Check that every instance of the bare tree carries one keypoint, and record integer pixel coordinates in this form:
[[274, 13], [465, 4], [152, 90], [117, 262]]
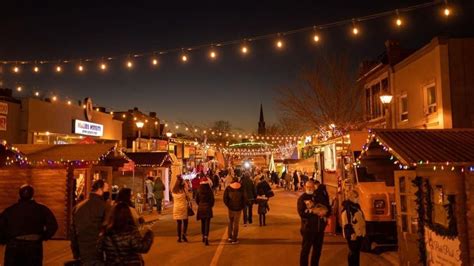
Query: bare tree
[[324, 94]]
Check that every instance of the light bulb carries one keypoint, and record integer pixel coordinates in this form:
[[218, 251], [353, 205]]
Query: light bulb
[[447, 11], [111, 112], [316, 38], [103, 66], [36, 69], [37, 93], [19, 88], [58, 69], [244, 49], [55, 98], [154, 61], [80, 68], [399, 22], [69, 102], [129, 64], [184, 58], [212, 54], [355, 30], [124, 115], [16, 69], [279, 44]]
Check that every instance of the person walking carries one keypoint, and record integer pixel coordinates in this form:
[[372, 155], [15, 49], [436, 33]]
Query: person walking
[[87, 220], [295, 180], [150, 197], [353, 224], [180, 208], [313, 208], [23, 228], [121, 242], [195, 184], [158, 191], [205, 202], [234, 199], [250, 194], [263, 207]]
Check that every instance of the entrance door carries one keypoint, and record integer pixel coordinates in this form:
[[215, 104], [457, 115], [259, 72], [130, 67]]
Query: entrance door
[[407, 218]]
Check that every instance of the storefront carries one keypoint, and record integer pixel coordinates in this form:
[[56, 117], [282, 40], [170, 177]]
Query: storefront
[[54, 122], [434, 193]]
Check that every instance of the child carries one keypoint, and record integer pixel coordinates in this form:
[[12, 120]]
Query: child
[[263, 207]]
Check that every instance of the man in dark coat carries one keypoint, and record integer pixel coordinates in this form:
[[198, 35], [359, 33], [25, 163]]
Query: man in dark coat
[[158, 191], [87, 220], [313, 208], [234, 199], [251, 194], [24, 226]]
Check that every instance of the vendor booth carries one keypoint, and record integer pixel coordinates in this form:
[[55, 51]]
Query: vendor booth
[[434, 193], [62, 175]]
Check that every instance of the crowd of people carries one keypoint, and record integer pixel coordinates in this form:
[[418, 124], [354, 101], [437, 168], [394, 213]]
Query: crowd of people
[[106, 227]]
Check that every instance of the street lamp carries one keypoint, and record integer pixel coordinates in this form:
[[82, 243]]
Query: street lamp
[[139, 125], [386, 99]]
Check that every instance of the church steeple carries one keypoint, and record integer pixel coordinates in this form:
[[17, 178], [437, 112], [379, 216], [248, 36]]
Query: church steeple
[[261, 122]]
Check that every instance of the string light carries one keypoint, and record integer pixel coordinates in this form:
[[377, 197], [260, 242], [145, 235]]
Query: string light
[[446, 10], [103, 66], [69, 102], [244, 49], [80, 68], [36, 69], [355, 30], [124, 116], [398, 21], [184, 58], [37, 93], [279, 44], [54, 98], [19, 88], [59, 69], [316, 38], [129, 64], [212, 54], [154, 61], [16, 69]]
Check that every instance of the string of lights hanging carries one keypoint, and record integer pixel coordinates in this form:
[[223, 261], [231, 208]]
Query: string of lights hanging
[[184, 54]]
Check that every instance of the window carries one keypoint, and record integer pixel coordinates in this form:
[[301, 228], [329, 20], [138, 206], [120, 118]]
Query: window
[[403, 108], [430, 92], [373, 105]]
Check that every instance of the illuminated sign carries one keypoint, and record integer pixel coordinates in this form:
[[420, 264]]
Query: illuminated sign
[[88, 128]]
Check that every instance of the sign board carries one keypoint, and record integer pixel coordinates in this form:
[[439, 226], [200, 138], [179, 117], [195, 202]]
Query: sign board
[[3, 123], [88, 128], [3, 108], [442, 250]]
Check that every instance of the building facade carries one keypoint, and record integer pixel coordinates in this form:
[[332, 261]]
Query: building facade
[[432, 87]]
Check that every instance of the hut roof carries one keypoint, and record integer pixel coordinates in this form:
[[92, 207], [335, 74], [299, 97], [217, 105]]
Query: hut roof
[[151, 158], [64, 152], [435, 146]]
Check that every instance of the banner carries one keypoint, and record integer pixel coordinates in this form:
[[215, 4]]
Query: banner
[[441, 250]]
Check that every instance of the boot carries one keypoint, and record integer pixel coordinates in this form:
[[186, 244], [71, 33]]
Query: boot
[[206, 242], [179, 239], [184, 238]]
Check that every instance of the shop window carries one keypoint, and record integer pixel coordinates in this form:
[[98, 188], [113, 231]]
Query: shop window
[[403, 108], [430, 99]]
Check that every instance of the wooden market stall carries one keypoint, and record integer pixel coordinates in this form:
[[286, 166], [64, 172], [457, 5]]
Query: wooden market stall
[[162, 165], [434, 192], [61, 175]]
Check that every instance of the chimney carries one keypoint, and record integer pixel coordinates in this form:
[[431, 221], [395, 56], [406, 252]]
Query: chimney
[[394, 51]]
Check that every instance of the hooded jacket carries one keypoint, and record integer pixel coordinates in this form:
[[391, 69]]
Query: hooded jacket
[[352, 215], [234, 197]]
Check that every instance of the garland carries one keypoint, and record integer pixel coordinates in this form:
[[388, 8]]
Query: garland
[[418, 182], [424, 208]]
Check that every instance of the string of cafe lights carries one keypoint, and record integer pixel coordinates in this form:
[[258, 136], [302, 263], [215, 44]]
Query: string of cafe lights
[[169, 126], [184, 54]]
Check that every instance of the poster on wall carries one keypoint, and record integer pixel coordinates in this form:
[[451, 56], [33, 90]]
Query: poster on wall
[[3, 123], [442, 250]]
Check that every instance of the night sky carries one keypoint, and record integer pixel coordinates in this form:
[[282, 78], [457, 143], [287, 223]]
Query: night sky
[[200, 91]]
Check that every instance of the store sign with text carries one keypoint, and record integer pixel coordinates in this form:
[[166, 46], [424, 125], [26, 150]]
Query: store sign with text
[[88, 128], [442, 250]]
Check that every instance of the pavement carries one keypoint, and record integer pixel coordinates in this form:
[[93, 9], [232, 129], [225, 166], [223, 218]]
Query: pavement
[[278, 243]]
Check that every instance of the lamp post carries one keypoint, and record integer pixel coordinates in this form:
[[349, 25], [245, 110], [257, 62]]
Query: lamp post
[[386, 99], [139, 125], [168, 135]]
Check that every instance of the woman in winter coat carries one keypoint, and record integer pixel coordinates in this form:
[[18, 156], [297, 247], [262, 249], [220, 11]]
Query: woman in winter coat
[[121, 241], [353, 224], [180, 208], [125, 195], [205, 202]]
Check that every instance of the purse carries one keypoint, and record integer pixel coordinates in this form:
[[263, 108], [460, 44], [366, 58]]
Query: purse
[[190, 207]]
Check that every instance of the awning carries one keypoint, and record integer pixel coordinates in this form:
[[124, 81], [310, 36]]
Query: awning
[[427, 146]]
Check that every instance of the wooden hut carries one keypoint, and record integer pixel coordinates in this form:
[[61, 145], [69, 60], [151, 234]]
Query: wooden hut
[[61, 175], [434, 191]]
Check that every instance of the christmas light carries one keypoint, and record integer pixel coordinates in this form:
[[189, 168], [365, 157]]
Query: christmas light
[[154, 61], [184, 58], [37, 93], [36, 69], [19, 88], [129, 64], [80, 68], [212, 54], [54, 98], [16, 69], [316, 38], [279, 44], [447, 11], [69, 102], [244, 49], [124, 116], [399, 22], [103, 66], [59, 69]]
